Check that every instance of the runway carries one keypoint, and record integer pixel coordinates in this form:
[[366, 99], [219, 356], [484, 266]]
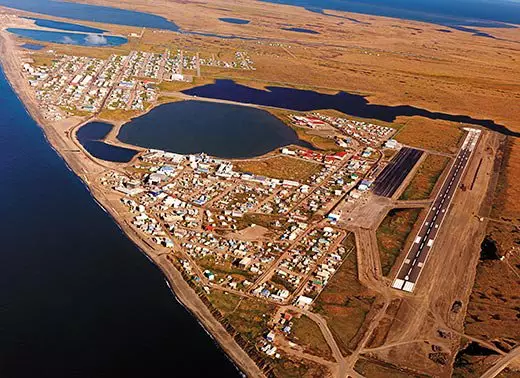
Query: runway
[[417, 256], [396, 171]]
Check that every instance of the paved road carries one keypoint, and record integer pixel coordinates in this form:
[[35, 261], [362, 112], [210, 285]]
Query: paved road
[[412, 266], [396, 171]]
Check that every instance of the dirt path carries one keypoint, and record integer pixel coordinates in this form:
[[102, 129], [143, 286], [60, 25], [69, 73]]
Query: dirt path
[[502, 363]]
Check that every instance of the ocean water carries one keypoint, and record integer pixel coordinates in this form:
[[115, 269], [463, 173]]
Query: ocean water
[[77, 298], [78, 39], [481, 13], [221, 130]]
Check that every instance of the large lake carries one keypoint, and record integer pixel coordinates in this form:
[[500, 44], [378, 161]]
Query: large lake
[[77, 298], [221, 130], [93, 13], [348, 103]]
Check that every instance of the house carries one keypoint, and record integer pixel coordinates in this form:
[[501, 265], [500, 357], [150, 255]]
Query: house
[[303, 302]]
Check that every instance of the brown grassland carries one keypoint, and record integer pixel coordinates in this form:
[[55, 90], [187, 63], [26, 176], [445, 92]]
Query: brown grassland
[[280, 167], [441, 136], [307, 333], [248, 316], [345, 302], [425, 178], [392, 234], [375, 369]]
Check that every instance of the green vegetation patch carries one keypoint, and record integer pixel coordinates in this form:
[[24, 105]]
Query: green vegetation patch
[[392, 234], [425, 178]]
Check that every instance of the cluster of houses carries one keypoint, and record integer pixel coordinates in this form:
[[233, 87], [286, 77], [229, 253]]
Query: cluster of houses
[[85, 84], [365, 132]]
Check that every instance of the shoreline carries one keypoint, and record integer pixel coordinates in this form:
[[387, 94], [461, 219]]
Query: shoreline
[[81, 165]]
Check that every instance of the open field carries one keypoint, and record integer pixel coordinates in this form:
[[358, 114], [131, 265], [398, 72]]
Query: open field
[[374, 369], [392, 234], [344, 302], [506, 205], [425, 178], [280, 167], [494, 307], [441, 136], [248, 316], [307, 333], [297, 368]]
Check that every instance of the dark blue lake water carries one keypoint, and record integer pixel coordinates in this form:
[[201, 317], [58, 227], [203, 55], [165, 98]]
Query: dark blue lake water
[[32, 46], [348, 103], [231, 20], [221, 130], [92, 13], [301, 30], [79, 39], [91, 135], [77, 298], [44, 23]]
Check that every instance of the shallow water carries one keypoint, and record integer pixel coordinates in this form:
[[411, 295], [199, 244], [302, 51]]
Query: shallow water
[[32, 46], [78, 39]]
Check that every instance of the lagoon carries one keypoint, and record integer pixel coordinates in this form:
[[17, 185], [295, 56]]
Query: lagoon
[[78, 39], [93, 13], [348, 103], [91, 138], [221, 130], [67, 26]]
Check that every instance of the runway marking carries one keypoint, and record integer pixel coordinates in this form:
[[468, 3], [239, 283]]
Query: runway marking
[[456, 172]]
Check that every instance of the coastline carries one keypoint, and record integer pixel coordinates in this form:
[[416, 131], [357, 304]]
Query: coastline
[[66, 146]]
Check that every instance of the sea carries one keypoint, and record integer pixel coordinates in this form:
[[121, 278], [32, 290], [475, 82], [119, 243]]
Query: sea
[[77, 297]]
